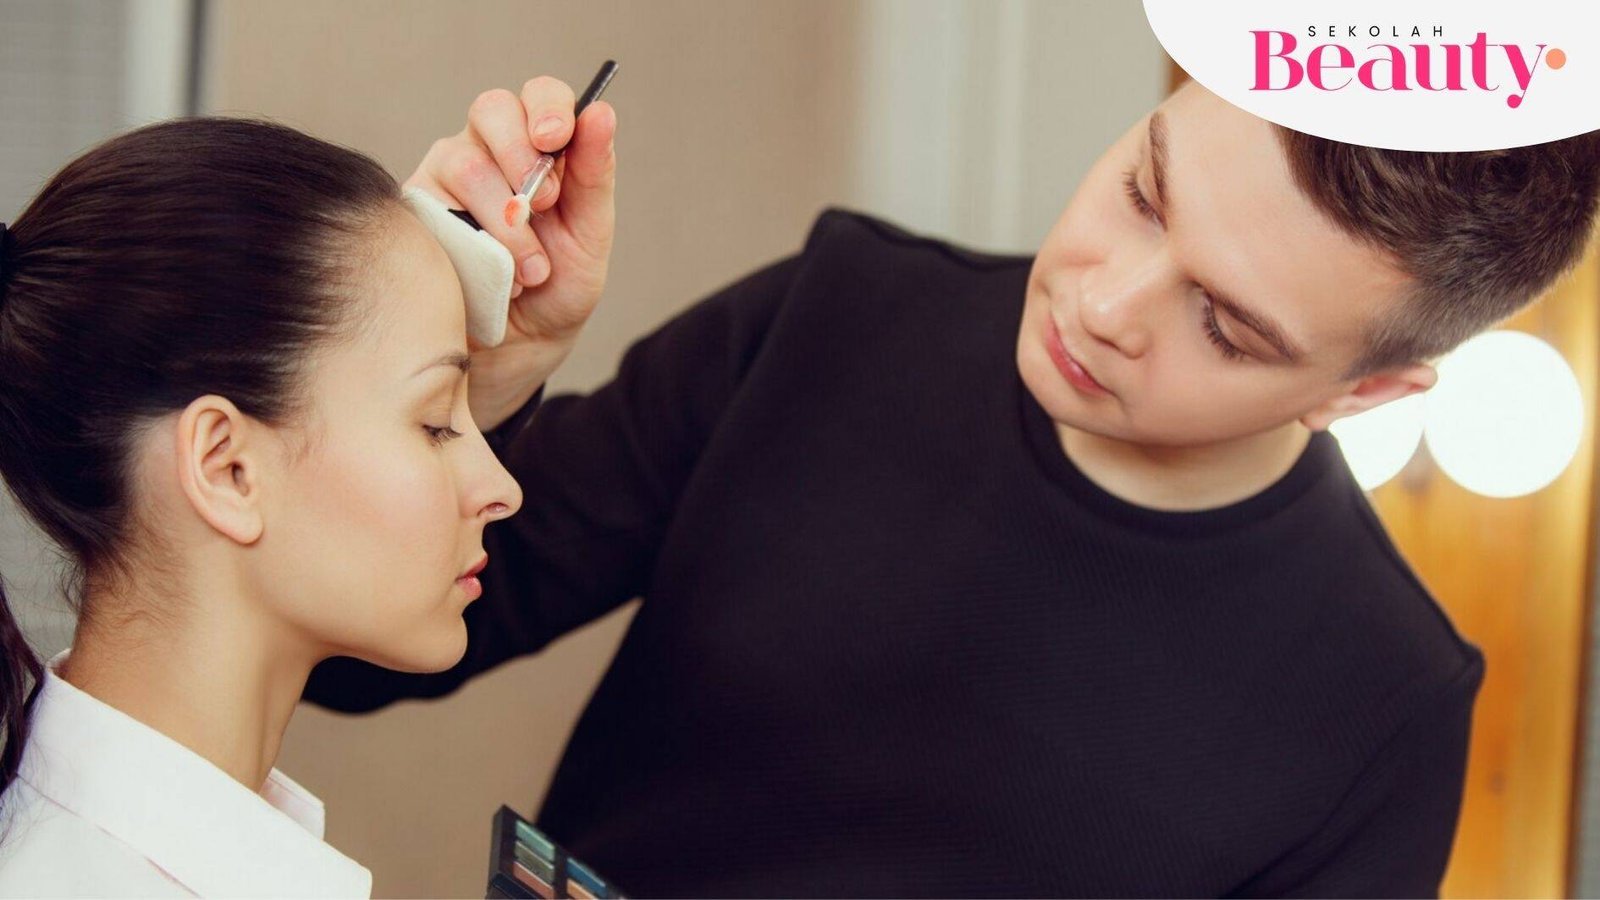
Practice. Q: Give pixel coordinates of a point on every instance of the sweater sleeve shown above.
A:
(601, 475)
(1391, 834)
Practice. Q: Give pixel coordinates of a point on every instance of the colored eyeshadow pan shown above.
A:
(579, 873)
(525, 864)
(535, 883)
(536, 840)
(540, 867)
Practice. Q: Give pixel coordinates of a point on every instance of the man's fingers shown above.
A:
(590, 159)
(550, 189)
(481, 168)
(497, 119)
(468, 172)
(549, 103)
(587, 204)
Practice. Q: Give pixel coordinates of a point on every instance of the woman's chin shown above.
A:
(435, 650)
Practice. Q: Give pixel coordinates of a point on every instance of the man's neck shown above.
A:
(1184, 479)
(213, 683)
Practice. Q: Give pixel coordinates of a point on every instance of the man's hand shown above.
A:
(562, 257)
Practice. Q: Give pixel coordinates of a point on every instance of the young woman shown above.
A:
(233, 391)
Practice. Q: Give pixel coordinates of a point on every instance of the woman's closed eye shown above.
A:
(441, 435)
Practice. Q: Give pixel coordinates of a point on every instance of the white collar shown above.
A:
(209, 832)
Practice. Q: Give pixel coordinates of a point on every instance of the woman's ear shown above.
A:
(1373, 390)
(219, 469)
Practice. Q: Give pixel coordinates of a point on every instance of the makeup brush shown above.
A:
(519, 207)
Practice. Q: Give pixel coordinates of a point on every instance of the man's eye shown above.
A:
(1130, 186)
(1214, 334)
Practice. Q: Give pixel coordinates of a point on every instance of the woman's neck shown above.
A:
(208, 676)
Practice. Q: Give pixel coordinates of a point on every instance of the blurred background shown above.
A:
(739, 122)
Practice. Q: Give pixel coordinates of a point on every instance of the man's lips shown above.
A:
(1070, 369)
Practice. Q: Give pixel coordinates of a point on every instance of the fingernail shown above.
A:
(547, 126)
(533, 269)
(546, 188)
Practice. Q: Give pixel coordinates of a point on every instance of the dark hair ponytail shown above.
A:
(190, 257)
(18, 670)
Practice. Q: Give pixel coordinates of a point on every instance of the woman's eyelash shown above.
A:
(1130, 186)
(440, 436)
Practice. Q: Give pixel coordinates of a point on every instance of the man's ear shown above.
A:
(1370, 391)
(219, 469)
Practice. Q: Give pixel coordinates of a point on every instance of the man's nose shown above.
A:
(1119, 302)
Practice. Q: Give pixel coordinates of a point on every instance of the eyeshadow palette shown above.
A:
(524, 862)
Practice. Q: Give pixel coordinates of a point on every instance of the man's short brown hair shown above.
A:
(1481, 233)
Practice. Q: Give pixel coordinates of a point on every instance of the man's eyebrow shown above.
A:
(1260, 324)
(460, 360)
(1158, 155)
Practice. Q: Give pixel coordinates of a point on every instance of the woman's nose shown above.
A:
(491, 492)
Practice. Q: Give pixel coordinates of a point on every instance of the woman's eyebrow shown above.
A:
(455, 358)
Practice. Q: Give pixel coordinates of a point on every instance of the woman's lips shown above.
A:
(469, 581)
(1070, 369)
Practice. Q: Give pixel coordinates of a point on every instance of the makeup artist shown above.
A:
(977, 575)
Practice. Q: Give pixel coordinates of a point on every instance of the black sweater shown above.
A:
(893, 643)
